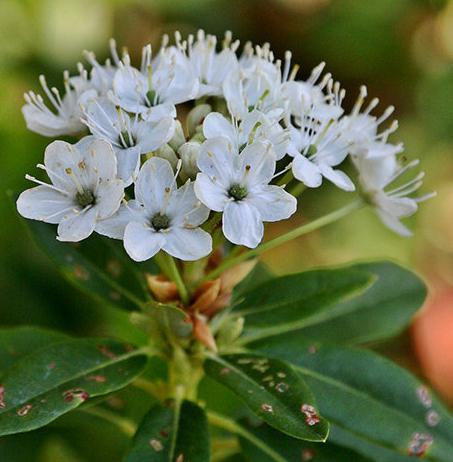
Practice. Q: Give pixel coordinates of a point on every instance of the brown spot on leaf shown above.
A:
(24, 410)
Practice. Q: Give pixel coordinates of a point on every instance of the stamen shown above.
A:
(425, 197)
(287, 66)
(75, 180)
(288, 167)
(50, 186)
(114, 52)
(358, 104)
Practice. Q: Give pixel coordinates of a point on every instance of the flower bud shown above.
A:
(166, 152)
(178, 138)
(162, 289)
(230, 331)
(188, 153)
(196, 117)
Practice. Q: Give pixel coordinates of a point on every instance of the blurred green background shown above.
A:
(402, 50)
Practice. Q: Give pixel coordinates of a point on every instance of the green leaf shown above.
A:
(292, 449)
(99, 266)
(380, 312)
(56, 379)
(172, 434)
(377, 402)
(375, 452)
(273, 391)
(16, 342)
(235, 458)
(289, 303)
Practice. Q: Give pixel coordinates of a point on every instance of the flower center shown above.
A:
(85, 198)
(238, 192)
(126, 139)
(152, 100)
(160, 221)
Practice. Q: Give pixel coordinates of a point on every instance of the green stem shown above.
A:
(286, 178)
(297, 190)
(125, 425)
(231, 426)
(175, 275)
(213, 222)
(222, 448)
(293, 234)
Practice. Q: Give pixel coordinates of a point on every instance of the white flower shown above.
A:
(167, 80)
(165, 217)
(255, 126)
(361, 130)
(64, 119)
(129, 135)
(211, 67)
(255, 84)
(238, 185)
(83, 190)
(318, 146)
(101, 76)
(376, 176)
(321, 98)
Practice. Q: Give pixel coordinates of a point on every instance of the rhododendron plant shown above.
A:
(177, 166)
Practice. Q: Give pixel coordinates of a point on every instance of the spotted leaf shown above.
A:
(172, 433)
(58, 378)
(273, 391)
(276, 447)
(376, 407)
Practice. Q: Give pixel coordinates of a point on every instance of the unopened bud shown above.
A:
(166, 152)
(230, 331)
(178, 138)
(162, 289)
(196, 117)
(188, 153)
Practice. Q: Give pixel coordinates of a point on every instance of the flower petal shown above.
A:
(393, 223)
(210, 193)
(130, 87)
(115, 225)
(242, 224)
(217, 160)
(99, 158)
(337, 177)
(258, 163)
(307, 172)
(44, 204)
(155, 181)
(108, 197)
(141, 242)
(185, 209)
(77, 226)
(273, 202)
(187, 244)
(215, 124)
(151, 136)
(128, 164)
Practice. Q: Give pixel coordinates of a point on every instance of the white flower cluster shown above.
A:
(248, 113)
